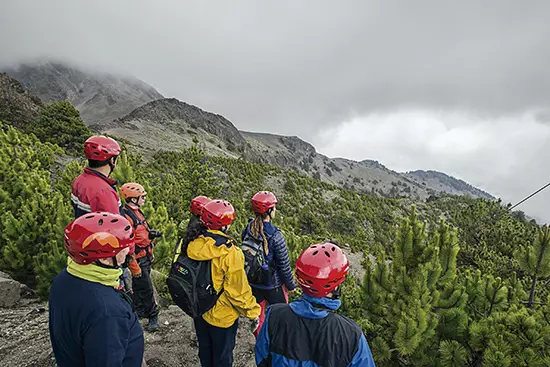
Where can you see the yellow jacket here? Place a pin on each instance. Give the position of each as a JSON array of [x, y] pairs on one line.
[[227, 273]]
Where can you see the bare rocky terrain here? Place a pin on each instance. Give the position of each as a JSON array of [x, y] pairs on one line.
[[25, 341]]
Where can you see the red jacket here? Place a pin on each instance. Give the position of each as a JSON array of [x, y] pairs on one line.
[[94, 192]]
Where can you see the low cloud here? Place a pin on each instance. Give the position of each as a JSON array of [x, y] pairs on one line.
[[506, 156]]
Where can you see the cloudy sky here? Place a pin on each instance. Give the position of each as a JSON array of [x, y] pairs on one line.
[[457, 86]]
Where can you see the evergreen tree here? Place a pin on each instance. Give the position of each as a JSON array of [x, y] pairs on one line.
[[60, 123], [535, 260]]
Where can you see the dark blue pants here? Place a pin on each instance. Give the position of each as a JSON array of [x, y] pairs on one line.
[[215, 344]]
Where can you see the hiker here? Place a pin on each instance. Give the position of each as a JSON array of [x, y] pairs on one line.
[[140, 263], [93, 190], [308, 331], [217, 328], [91, 322], [275, 278], [196, 209]]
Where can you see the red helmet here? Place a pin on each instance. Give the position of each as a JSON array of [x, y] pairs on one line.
[[321, 268], [98, 236], [101, 148], [263, 201], [198, 203], [218, 214]]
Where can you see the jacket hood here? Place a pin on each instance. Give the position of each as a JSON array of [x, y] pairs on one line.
[[306, 306], [210, 245]]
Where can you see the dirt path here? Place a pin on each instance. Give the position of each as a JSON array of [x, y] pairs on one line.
[[24, 339]]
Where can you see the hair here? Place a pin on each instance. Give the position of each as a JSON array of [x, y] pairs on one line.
[[92, 163], [194, 229], [257, 228]]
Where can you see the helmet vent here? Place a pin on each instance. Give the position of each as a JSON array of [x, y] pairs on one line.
[[313, 246], [327, 253], [127, 228], [83, 254], [333, 248], [315, 253], [100, 222], [131, 235], [114, 220], [309, 281], [90, 216]]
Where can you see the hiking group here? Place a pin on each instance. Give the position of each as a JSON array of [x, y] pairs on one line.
[[96, 302]]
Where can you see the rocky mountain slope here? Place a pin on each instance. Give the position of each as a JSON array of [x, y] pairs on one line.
[[170, 124], [99, 97], [17, 105], [446, 183], [135, 111]]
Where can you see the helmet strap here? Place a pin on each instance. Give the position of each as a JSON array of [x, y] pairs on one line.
[[336, 293], [111, 161], [105, 266]]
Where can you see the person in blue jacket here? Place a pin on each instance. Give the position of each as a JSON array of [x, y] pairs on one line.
[[91, 322], [278, 275], [308, 332]]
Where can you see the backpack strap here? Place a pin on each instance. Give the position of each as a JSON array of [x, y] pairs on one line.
[[220, 239], [177, 250], [135, 219]]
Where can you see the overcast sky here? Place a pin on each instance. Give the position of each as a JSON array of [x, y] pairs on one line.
[[457, 86]]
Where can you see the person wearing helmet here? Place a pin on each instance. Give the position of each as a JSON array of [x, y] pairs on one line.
[[216, 329], [308, 331], [195, 226], [92, 323], [140, 264], [278, 274], [93, 190]]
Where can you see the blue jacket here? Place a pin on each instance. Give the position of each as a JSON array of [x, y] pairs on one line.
[[277, 257], [304, 335], [92, 325]]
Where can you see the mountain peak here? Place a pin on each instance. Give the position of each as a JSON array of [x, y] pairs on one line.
[[100, 97]]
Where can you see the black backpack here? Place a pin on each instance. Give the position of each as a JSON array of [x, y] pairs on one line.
[[190, 284], [255, 264]]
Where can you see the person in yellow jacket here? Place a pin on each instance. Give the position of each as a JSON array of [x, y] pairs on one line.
[[217, 328]]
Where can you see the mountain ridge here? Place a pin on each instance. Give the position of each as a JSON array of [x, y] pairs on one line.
[[151, 122]]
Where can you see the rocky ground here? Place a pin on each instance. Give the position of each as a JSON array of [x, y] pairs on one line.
[[24, 339]]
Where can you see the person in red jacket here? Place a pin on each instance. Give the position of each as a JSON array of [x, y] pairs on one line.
[[93, 190], [140, 264]]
